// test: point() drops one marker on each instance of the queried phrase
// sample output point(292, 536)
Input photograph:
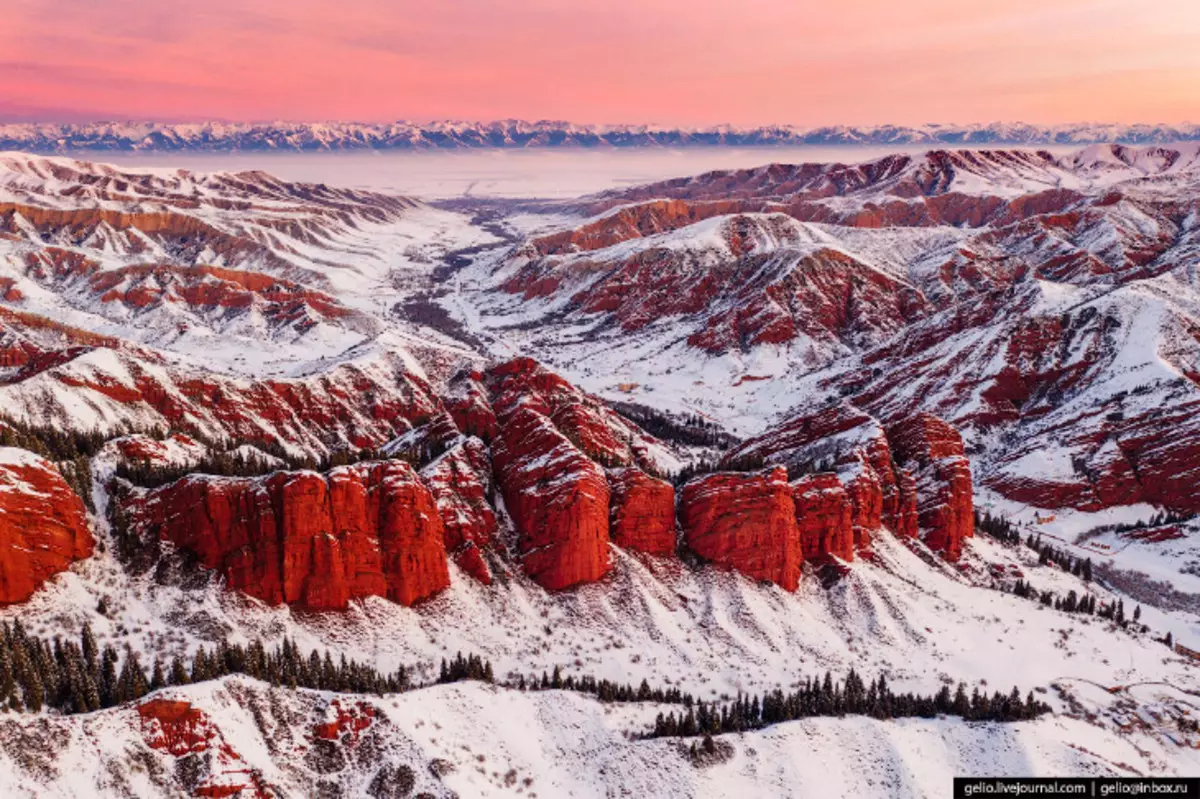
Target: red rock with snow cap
point(824, 517)
point(934, 450)
point(460, 481)
point(745, 522)
point(557, 497)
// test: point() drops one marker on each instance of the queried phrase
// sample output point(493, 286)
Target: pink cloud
point(670, 61)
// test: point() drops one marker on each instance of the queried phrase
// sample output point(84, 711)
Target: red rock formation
point(642, 513)
point(43, 524)
point(181, 730)
point(824, 517)
point(905, 522)
point(745, 522)
point(854, 444)
point(467, 401)
point(460, 481)
point(315, 541)
point(557, 497)
point(588, 423)
point(349, 718)
point(945, 504)
point(175, 727)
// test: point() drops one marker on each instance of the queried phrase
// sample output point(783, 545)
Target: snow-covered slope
point(256, 275)
point(479, 741)
point(1050, 304)
point(1046, 307)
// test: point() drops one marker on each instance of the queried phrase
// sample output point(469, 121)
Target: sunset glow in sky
point(748, 62)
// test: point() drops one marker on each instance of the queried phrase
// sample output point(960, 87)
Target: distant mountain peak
point(510, 134)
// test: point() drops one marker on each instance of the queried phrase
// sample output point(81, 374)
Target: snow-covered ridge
point(401, 135)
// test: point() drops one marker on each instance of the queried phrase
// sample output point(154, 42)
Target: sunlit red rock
point(824, 517)
point(945, 505)
point(642, 512)
point(314, 541)
point(460, 481)
point(558, 499)
point(844, 439)
point(745, 522)
point(43, 524)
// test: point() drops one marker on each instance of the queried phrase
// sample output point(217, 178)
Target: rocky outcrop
point(590, 425)
point(43, 524)
point(642, 512)
point(824, 518)
point(467, 401)
point(356, 404)
point(945, 507)
point(460, 481)
point(183, 731)
point(550, 444)
point(844, 439)
point(306, 539)
point(745, 522)
point(905, 520)
point(558, 499)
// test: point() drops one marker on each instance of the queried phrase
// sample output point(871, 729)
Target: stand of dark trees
point(78, 676)
point(997, 527)
point(688, 429)
point(1006, 532)
point(1047, 554)
point(825, 697)
point(710, 466)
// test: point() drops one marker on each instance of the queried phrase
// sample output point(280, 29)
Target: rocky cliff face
point(642, 512)
point(310, 540)
point(824, 518)
point(945, 506)
point(850, 442)
point(913, 477)
point(43, 524)
point(551, 441)
point(745, 522)
point(461, 483)
point(558, 499)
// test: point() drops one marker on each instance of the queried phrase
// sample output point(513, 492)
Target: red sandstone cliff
point(43, 524)
point(745, 522)
point(643, 512)
point(943, 480)
point(460, 481)
point(824, 517)
point(315, 541)
point(557, 497)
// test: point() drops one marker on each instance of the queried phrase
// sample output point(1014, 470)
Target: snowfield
point(481, 741)
point(1059, 343)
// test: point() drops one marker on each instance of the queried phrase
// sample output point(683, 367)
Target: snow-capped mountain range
point(720, 433)
point(316, 136)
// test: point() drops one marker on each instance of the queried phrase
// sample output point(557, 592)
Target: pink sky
point(747, 62)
